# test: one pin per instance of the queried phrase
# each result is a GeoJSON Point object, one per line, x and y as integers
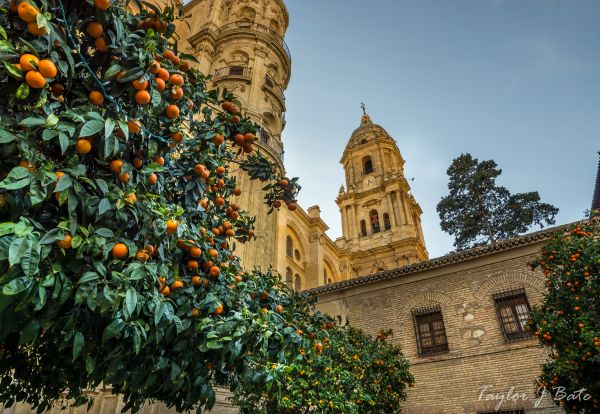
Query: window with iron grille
{"type": "Point", "coordinates": [430, 330]}
{"type": "Point", "coordinates": [516, 411]}
{"type": "Point", "coordinates": [513, 311]}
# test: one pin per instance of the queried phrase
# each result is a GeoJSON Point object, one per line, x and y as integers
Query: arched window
{"type": "Point", "coordinates": [297, 255]}
{"type": "Point", "coordinates": [325, 277]}
{"type": "Point", "coordinates": [367, 165]}
{"type": "Point", "coordinates": [297, 283]}
{"type": "Point", "coordinates": [363, 228]}
{"type": "Point", "coordinates": [288, 277]}
{"type": "Point", "coordinates": [374, 221]}
{"type": "Point", "coordinates": [386, 221]}
{"type": "Point", "coordinates": [289, 247]}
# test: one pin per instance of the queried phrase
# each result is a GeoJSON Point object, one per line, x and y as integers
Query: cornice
{"type": "Point", "coordinates": [451, 258]}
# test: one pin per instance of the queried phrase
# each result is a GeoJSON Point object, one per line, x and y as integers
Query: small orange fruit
{"type": "Point", "coordinates": [195, 313]}
{"type": "Point", "coordinates": [65, 243]}
{"type": "Point", "coordinates": [95, 29]}
{"type": "Point", "coordinates": [27, 59]}
{"type": "Point", "coordinates": [132, 199]}
{"type": "Point", "coordinates": [178, 284]}
{"type": "Point", "coordinates": [35, 79]}
{"type": "Point", "coordinates": [192, 264]}
{"type": "Point", "coordinates": [237, 191]}
{"type": "Point", "coordinates": [177, 136]}
{"type": "Point", "coordinates": [163, 74]}
{"type": "Point", "coordinates": [116, 166]}
{"type": "Point", "coordinates": [154, 67]}
{"type": "Point", "coordinates": [196, 281]}
{"type": "Point", "coordinates": [83, 146]}
{"type": "Point", "coordinates": [100, 44]}
{"type": "Point", "coordinates": [218, 139]}
{"type": "Point", "coordinates": [140, 86]}
{"type": "Point", "coordinates": [137, 163]}
{"type": "Point", "coordinates": [176, 79]}
{"type": "Point", "coordinates": [35, 30]}
{"type": "Point", "coordinates": [47, 68]}
{"type": "Point", "coordinates": [124, 177]}
{"type": "Point", "coordinates": [152, 179]}
{"type": "Point", "coordinates": [172, 226]}
{"type": "Point", "coordinates": [220, 169]}
{"type": "Point", "coordinates": [279, 309]}
{"type": "Point", "coordinates": [142, 97]}
{"type": "Point", "coordinates": [165, 291]}
{"type": "Point", "coordinates": [27, 12]}
{"type": "Point", "coordinates": [102, 4]}
{"type": "Point", "coordinates": [160, 85]}
{"type": "Point", "coordinates": [96, 98]}
{"type": "Point", "coordinates": [176, 93]}
{"type": "Point", "coordinates": [120, 251]}
{"type": "Point", "coordinates": [172, 111]}
{"type": "Point", "coordinates": [219, 309]}
{"type": "Point", "coordinates": [214, 271]}
{"type": "Point", "coordinates": [134, 126]}
{"type": "Point", "coordinates": [195, 252]}
{"type": "Point", "coordinates": [185, 66]}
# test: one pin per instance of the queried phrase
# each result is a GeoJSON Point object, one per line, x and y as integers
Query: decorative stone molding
{"type": "Point", "coordinates": [483, 289]}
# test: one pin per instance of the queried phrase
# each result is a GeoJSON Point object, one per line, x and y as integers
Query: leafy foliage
{"type": "Point", "coordinates": [477, 211]}
{"type": "Point", "coordinates": [568, 322]}
{"type": "Point", "coordinates": [118, 221]}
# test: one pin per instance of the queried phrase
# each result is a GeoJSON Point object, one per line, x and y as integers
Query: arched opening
{"type": "Point", "coordinates": [386, 221]}
{"type": "Point", "coordinates": [374, 216]}
{"type": "Point", "coordinates": [297, 255]}
{"type": "Point", "coordinates": [367, 165]}
{"type": "Point", "coordinates": [325, 278]}
{"type": "Point", "coordinates": [247, 14]}
{"type": "Point", "coordinates": [288, 277]}
{"type": "Point", "coordinates": [289, 247]}
{"type": "Point", "coordinates": [274, 24]}
{"type": "Point", "coordinates": [363, 228]}
{"type": "Point", "coordinates": [297, 283]}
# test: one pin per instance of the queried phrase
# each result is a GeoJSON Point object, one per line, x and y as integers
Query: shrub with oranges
{"type": "Point", "coordinates": [118, 225]}
{"type": "Point", "coordinates": [568, 322]}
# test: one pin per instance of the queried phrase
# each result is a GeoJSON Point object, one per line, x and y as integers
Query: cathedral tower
{"type": "Point", "coordinates": [381, 220]}
{"type": "Point", "coordinates": [240, 44]}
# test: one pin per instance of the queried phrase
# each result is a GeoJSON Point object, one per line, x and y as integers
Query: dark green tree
{"type": "Point", "coordinates": [477, 211]}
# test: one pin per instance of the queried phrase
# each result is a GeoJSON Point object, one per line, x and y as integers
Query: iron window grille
{"type": "Point", "coordinates": [512, 308]}
{"type": "Point", "coordinates": [430, 331]}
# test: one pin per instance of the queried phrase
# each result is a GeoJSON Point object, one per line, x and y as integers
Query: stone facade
{"type": "Point", "coordinates": [462, 287]}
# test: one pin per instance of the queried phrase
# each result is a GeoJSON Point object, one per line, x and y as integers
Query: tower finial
{"type": "Point", "coordinates": [364, 108]}
{"type": "Point", "coordinates": [364, 119]}
{"type": "Point", "coordinates": [596, 198]}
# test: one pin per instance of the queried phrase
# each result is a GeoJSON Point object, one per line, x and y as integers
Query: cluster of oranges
{"type": "Point", "coordinates": [36, 71]}
{"type": "Point", "coordinates": [96, 31]}
{"type": "Point", "coordinates": [28, 13]}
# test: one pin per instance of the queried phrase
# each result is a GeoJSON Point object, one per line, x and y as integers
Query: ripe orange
{"type": "Point", "coordinates": [185, 66]}
{"type": "Point", "coordinates": [277, 203]}
{"type": "Point", "coordinates": [195, 313]}
{"type": "Point", "coordinates": [160, 85]}
{"type": "Point", "coordinates": [116, 166]}
{"type": "Point", "coordinates": [27, 59]}
{"type": "Point", "coordinates": [159, 160]}
{"type": "Point", "coordinates": [176, 79]}
{"type": "Point", "coordinates": [35, 30]}
{"type": "Point", "coordinates": [227, 106]}
{"type": "Point", "coordinates": [65, 243]}
{"type": "Point", "coordinates": [219, 201]}
{"type": "Point", "coordinates": [176, 93]}
{"type": "Point", "coordinates": [172, 111]}
{"type": "Point", "coordinates": [213, 253]}
{"type": "Point", "coordinates": [195, 252]}
{"type": "Point", "coordinates": [220, 169]}
{"type": "Point", "coordinates": [177, 136]}
{"type": "Point", "coordinates": [163, 74]}
{"type": "Point", "coordinates": [249, 137]}
{"type": "Point", "coordinates": [178, 284]}
{"type": "Point", "coordinates": [214, 271]}
{"type": "Point", "coordinates": [237, 191]}
{"type": "Point", "coordinates": [284, 183]}
{"type": "Point", "coordinates": [140, 86]}
{"type": "Point", "coordinates": [124, 177]}
{"type": "Point", "coordinates": [219, 309]}
{"type": "Point", "coordinates": [134, 126]}
{"type": "Point", "coordinates": [192, 264]}
{"type": "Point", "coordinates": [100, 44]}
{"type": "Point", "coordinates": [95, 29]}
{"type": "Point", "coordinates": [96, 98]}
{"type": "Point", "coordinates": [248, 148]}
{"type": "Point", "coordinates": [176, 60]}
{"type": "Point", "coordinates": [35, 79]}
{"type": "Point", "coordinates": [292, 206]}
{"type": "Point", "coordinates": [47, 68]}
{"type": "Point", "coordinates": [27, 12]}
{"type": "Point", "coordinates": [154, 67]}
{"type": "Point", "coordinates": [218, 139]}
{"type": "Point", "coordinates": [196, 281]}
{"type": "Point", "coordinates": [172, 226]}
{"type": "Point", "coordinates": [152, 179]}
{"type": "Point", "coordinates": [120, 251]}
{"type": "Point", "coordinates": [131, 198]}
{"type": "Point", "coordinates": [168, 54]}
{"type": "Point", "coordinates": [102, 4]}
{"type": "Point", "coordinates": [319, 347]}
{"type": "Point", "coordinates": [142, 97]}
{"type": "Point", "coordinates": [279, 309]}
{"type": "Point", "coordinates": [165, 291]}
{"type": "Point", "coordinates": [83, 146]}
{"type": "Point", "coordinates": [239, 139]}
{"type": "Point", "coordinates": [58, 175]}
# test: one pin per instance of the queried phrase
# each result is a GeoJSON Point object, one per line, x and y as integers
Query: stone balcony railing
{"type": "Point", "coordinates": [275, 89]}
{"type": "Point", "coordinates": [237, 72]}
{"type": "Point", "coordinates": [256, 27]}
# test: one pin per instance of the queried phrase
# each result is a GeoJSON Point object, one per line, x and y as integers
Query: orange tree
{"type": "Point", "coordinates": [568, 322]}
{"type": "Point", "coordinates": [118, 223]}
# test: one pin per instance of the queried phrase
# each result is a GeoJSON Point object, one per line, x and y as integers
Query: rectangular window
{"type": "Point", "coordinates": [515, 411]}
{"type": "Point", "coordinates": [513, 311]}
{"type": "Point", "coordinates": [430, 330]}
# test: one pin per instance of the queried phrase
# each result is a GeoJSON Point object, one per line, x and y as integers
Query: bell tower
{"type": "Point", "coordinates": [381, 220]}
{"type": "Point", "coordinates": [240, 44]}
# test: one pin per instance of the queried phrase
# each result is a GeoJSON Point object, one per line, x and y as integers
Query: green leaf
{"type": "Point", "coordinates": [130, 300]}
{"type": "Point", "coordinates": [52, 236]}
{"type": "Point", "coordinates": [63, 140]}
{"type": "Point", "coordinates": [102, 185]}
{"type": "Point", "coordinates": [51, 121]}
{"type": "Point", "coordinates": [6, 136]}
{"type": "Point", "coordinates": [104, 232]}
{"type": "Point", "coordinates": [65, 182]}
{"type": "Point", "coordinates": [31, 121]}
{"type": "Point", "coordinates": [159, 310]}
{"type": "Point", "coordinates": [113, 329]}
{"type": "Point", "coordinates": [3, 33]}
{"type": "Point", "coordinates": [88, 277]}
{"type": "Point", "coordinates": [78, 341]}
{"type": "Point", "coordinates": [18, 177]}
{"type": "Point", "coordinates": [18, 285]}
{"type": "Point", "coordinates": [156, 99]}
{"type": "Point", "coordinates": [131, 75]}
{"type": "Point", "coordinates": [109, 126]}
{"type": "Point", "coordinates": [30, 262]}
{"type": "Point", "coordinates": [30, 332]}
{"type": "Point", "coordinates": [112, 71]}
{"type": "Point", "coordinates": [16, 250]}
{"type": "Point", "coordinates": [104, 206]}
{"type": "Point", "coordinates": [23, 91]}
{"type": "Point", "coordinates": [13, 70]}
{"type": "Point", "coordinates": [91, 127]}
{"type": "Point", "coordinates": [7, 228]}
{"type": "Point", "coordinates": [214, 345]}
{"type": "Point", "coordinates": [111, 146]}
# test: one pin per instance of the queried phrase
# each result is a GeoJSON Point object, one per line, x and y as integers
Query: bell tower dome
{"type": "Point", "coordinates": [381, 220]}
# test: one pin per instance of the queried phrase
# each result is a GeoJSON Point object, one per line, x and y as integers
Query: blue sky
{"type": "Point", "coordinates": [517, 81]}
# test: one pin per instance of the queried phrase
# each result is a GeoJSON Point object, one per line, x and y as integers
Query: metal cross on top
{"type": "Point", "coordinates": [364, 108]}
